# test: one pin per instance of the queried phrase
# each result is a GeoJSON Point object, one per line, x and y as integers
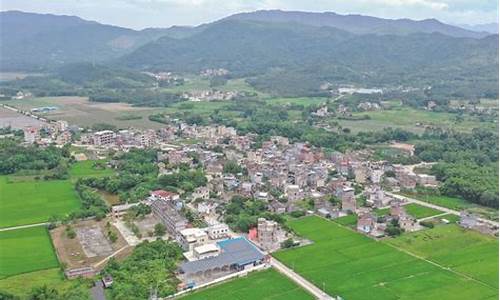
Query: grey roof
{"type": "Point", "coordinates": [237, 251]}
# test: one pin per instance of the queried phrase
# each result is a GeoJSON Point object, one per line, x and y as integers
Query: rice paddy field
{"type": "Point", "coordinates": [26, 250]}
{"type": "Point", "coordinates": [267, 284]}
{"type": "Point", "coordinates": [20, 285]}
{"type": "Point", "coordinates": [465, 251]}
{"type": "Point", "coordinates": [354, 266]}
{"type": "Point", "coordinates": [34, 201]}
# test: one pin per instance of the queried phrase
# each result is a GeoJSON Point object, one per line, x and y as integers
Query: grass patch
{"type": "Point", "coordinates": [465, 251]}
{"type": "Point", "coordinates": [267, 284]}
{"type": "Point", "coordinates": [349, 220]}
{"type": "Point", "coordinates": [31, 202]}
{"type": "Point", "coordinates": [86, 169]}
{"type": "Point", "coordinates": [26, 250]}
{"type": "Point", "coordinates": [354, 266]}
{"type": "Point", "coordinates": [418, 211]}
{"type": "Point", "coordinates": [455, 204]}
{"type": "Point", "coordinates": [379, 212]}
{"type": "Point", "coordinates": [450, 217]}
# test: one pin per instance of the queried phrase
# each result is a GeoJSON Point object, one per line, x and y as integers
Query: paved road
{"type": "Point", "coordinates": [97, 291]}
{"type": "Point", "coordinates": [432, 217]}
{"type": "Point", "coordinates": [23, 226]}
{"type": "Point", "coordinates": [311, 288]}
{"type": "Point", "coordinates": [447, 210]}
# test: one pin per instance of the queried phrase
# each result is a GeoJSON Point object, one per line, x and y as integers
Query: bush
{"type": "Point", "coordinates": [298, 213]}
{"type": "Point", "coordinates": [160, 230]}
{"type": "Point", "coordinates": [70, 232]}
{"type": "Point", "coordinates": [427, 224]}
{"type": "Point", "coordinates": [288, 243]}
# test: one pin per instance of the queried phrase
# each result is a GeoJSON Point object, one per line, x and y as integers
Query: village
{"type": "Point", "coordinates": [293, 179]}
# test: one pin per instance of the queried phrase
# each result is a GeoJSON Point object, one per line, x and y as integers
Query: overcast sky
{"type": "Point", "coordinates": [139, 14]}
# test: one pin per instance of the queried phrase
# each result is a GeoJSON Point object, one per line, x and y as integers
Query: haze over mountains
{"type": "Point", "coordinates": [290, 52]}
{"type": "Point", "coordinates": [358, 24]}
{"type": "Point", "coordinates": [40, 41]}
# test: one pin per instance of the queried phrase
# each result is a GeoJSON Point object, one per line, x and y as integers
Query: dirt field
{"type": "Point", "coordinates": [405, 147]}
{"type": "Point", "coordinates": [80, 111]}
{"type": "Point", "coordinates": [15, 120]}
{"type": "Point", "coordinates": [147, 225]}
{"type": "Point", "coordinates": [89, 247]}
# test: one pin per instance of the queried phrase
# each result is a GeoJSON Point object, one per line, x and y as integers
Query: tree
{"type": "Point", "coordinates": [288, 243]}
{"type": "Point", "coordinates": [297, 213]}
{"type": "Point", "coordinates": [427, 224]}
{"type": "Point", "coordinates": [70, 232]}
{"type": "Point", "coordinates": [232, 167]}
{"type": "Point", "coordinates": [43, 293]}
{"type": "Point", "coordinates": [160, 230]}
{"type": "Point", "coordinates": [151, 263]}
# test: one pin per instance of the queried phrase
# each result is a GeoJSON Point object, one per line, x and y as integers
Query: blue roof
{"type": "Point", "coordinates": [238, 251]}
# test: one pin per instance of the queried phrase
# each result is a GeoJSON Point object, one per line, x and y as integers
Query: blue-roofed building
{"type": "Point", "coordinates": [235, 254]}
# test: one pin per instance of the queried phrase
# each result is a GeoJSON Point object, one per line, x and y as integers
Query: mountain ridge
{"type": "Point", "coordinates": [358, 24]}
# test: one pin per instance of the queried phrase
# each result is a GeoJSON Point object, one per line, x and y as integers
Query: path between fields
{"type": "Point", "coordinates": [311, 288]}
{"type": "Point", "coordinates": [427, 204]}
{"type": "Point", "coordinates": [23, 226]}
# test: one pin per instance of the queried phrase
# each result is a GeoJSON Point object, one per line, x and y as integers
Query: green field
{"type": "Point", "coordinates": [415, 210]}
{"type": "Point", "coordinates": [268, 284]}
{"type": "Point", "coordinates": [28, 202]}
{"type": "Point", "coordinates": [356, 267]}
{"type": "Point", "coordinates": [305, 101]}
{"type": "Point", "coordinates": [379, 212]}
{"type": "Point", "coordinates": [86, 169]}
{"type": "Point", "coordinates": [22, 284]}
{"type": "Point", "coordinates": [407, 118]}
{"type": "Point", "coordinates": [26, 250]}
{"type": "Point", "coordinates": [347, 220]}
{"type": "Point", "coordinates": [450, 217]}
{"type": "Point", "coordinates": [465, 251]}
{"type": "Point", "coordinates": [444, 201]}
{"type": "Point", "coordinates": [456, 204]}
{"type": "Point", "coordinates": [419, 211]}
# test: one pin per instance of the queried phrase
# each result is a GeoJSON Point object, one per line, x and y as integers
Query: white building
{"type": "Point", "coordinates": [105, 137]}
{"type": "Point", "coordinates": [218, 231]}
{"type": "Point", "coordinates": [206, 251]}
{"type": "Point", "coordinates": [190, 238]}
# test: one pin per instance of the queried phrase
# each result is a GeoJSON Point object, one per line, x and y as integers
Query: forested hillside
{"type": "Point", "coordinates": [279, 56]}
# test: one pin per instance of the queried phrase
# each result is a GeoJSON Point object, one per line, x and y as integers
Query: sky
{"type": "Point", "coordinates": [140, 14]}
